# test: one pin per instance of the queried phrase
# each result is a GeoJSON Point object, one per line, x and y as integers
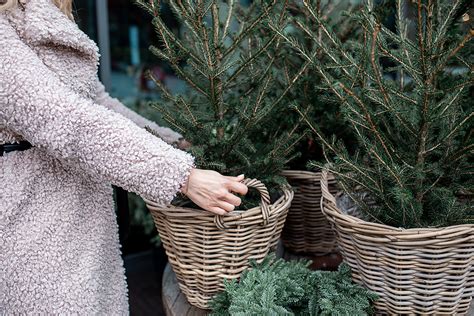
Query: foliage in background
{"type": "Point", "coordinates": [413, 121]}
{"type": "Point", "coordinates": [279, 287]}
{"type": "Point", "coordinates": [226, 55]}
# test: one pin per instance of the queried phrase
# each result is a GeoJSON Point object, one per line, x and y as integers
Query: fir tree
{"type": "Point", "coordinates": [279, 287]}
{"type": "Point", "coordinates": [413, 120]}
{"type": "Point", "coordinates": [316, 103]}
{"type": "Point", "coordinates": [227, 57]}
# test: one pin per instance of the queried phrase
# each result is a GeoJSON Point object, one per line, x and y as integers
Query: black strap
{"type": "Point", "coordinates": [123, 213]}
{"type": "Point", "coordinates": [6, 148]}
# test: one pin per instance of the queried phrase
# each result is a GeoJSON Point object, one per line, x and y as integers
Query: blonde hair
{"type": "Point", "coordinates": [64, 5]}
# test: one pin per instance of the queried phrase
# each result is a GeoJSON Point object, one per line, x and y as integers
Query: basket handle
{"type": "Point", "coordinates": [264, 203]}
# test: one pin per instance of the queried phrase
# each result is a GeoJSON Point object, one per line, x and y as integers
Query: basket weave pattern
{"type": "Point", "coordinates": [306, 228]}
{"type": "Point", "coordinates": [413, 271]}
{"type": "Point", "coordinates": [204, 249]}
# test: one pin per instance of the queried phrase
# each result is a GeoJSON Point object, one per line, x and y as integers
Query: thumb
{"type": "Point", "coordinates": [238, 178]}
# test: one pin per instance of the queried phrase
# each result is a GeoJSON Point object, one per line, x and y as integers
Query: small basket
{"type": "Point", "coordinates": [306, 228]}
{"type": "Point", "coordinates": [204, 249]}
{"type": "Point", "coordinates": [413, 271]}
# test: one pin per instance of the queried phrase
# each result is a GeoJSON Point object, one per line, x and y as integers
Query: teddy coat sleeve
{"type": "Point", "coordinates": [35, 104]}
{"type": "Point", "coordinates": [103, 98]}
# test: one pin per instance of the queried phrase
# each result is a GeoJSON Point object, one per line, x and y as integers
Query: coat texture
{"type": "Point", "coordinates": [59, 249]}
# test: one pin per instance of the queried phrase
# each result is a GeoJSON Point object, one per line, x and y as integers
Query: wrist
{"type": "Point", "coordinates": [185, 185]}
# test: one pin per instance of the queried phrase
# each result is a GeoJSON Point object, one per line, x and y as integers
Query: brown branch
{"type": "Point", "coordinates": [367, 116]}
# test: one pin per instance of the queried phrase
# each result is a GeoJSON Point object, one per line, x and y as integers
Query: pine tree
{"type": "Point", "coordinates": [227, 57]}
{"type": "Point", "coordinates": [407, 95]}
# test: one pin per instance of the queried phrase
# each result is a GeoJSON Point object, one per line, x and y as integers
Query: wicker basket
{"type": "Point", "coordinates": [414, 271]}
{"type": "Point", "coordinates": [204, 249]}
{"type": "Point", "coordinates": [306, 228]}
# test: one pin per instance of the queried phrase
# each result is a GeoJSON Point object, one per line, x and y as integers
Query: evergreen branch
{"type": "Point", "coordinates": [460, 153]}
{"type": "Point", "coordinates": [388, 103]}
{"type": "Point", "coordinates": [368, 118]}
{"type": "Point", "coordinates": [180, 10]}
{"type": "Point", "coordinates": [227, 20]}
{"type": "Point", "coordinates": [290, 84]}
{"type": "Point", "coordinates": [248, 61]}
{"type": "Point", "coordinates": [458, 125]}
{"type": "Point", "coordinates": [327, 51]}
{"type": "Point", "coordinates": [167, 34]}
{"type": "Point", "coordinates": [331, 36]}
{"type": "Point", "coordinates": [186, 77]}
{"type": "Point", "coordinates": [215, 24]}
{"type": "Point", "coordinates": [166, 94]}
{"type": "Point", "coordinates": [245, 32]}
{"type": "Point", "coordinates": [328, 145]}
{"type": "Point", "coordinates": [421, 42]}
{"type": "Point", "coordinates": [452, 53]}
{"type": "Point", "coordinates": [402, 30]}
{"type": "Point", "coordinates": [449, 101]}
{"type": "Point", "coordinates": [446, 22]}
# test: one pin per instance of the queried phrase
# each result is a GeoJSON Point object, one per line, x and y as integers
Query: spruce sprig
{"type": "Point", "coordinates": [279, 287]}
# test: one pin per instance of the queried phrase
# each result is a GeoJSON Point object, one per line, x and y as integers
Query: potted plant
{"type": "Point", "coordinates": [226, 57]}
{"type": "Point", "coordinates": [407, 94]}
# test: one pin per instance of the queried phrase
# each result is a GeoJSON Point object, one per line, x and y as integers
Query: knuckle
{"type": "Point", "coordinates": [222, 193]}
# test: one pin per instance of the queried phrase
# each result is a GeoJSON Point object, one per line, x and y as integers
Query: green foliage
{"type": "Point", "coordinates": [227, 58]}
{"type": "Point", "coordinates": [279, 287]}
{"type": "Point", "coordinates": [407, 96]}
{"type": "Point", "coordinates": [313, 101]}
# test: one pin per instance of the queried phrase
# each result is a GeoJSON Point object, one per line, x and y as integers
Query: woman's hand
{"type": "Point", "coordinates": [213, 191]}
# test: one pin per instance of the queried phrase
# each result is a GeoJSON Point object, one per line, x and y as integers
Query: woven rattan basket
{"type": "Point", "coordinates": [306, 228]}
{"type": "Point", "coordinates": [414, 271]}
{"type": "Point", "coordinates": [204, 249]}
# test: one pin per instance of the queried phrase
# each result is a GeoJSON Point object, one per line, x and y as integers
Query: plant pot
{"type": "Point", "coordinates": [413, 271]}
{"type": "Point", "coordinates": [306, 228]}
{"type": "Point", "coordinates": [204, 249]}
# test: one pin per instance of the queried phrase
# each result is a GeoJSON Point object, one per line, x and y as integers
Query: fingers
{"type": "Point", "coordinates": [217, 210]}
{"type": "Point", "coordinates": [226, 206]}
{"type": "Point", "coordinates": [238, 178]}
{"type": "Point", "coordinates": [237, 187]}
{"type": "Point", "coordinates": [232, 199]}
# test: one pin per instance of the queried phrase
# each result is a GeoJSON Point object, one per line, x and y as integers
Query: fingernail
{"type": "Point", "coordinates": [242, 175]}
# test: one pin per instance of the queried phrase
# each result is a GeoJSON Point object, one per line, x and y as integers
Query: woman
{"type": "Point", "coordinates": [64, 140]}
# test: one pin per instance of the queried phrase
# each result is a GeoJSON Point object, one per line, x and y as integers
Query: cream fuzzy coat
{"type": "Point", "coordinates": [59, 249]}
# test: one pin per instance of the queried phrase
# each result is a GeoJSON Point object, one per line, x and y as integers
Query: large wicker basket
{"type": "Point", "coordinates": [204, 249]}
{"type": "Point", "coordinates": [414, 271]}
{"type": "Point", "coordinates": [306, 228]}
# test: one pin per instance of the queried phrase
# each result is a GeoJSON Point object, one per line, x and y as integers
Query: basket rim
{"type": "Point", "coordinates": [391, 232]}
{"type": "Point", "coordinates": [176, 211]}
